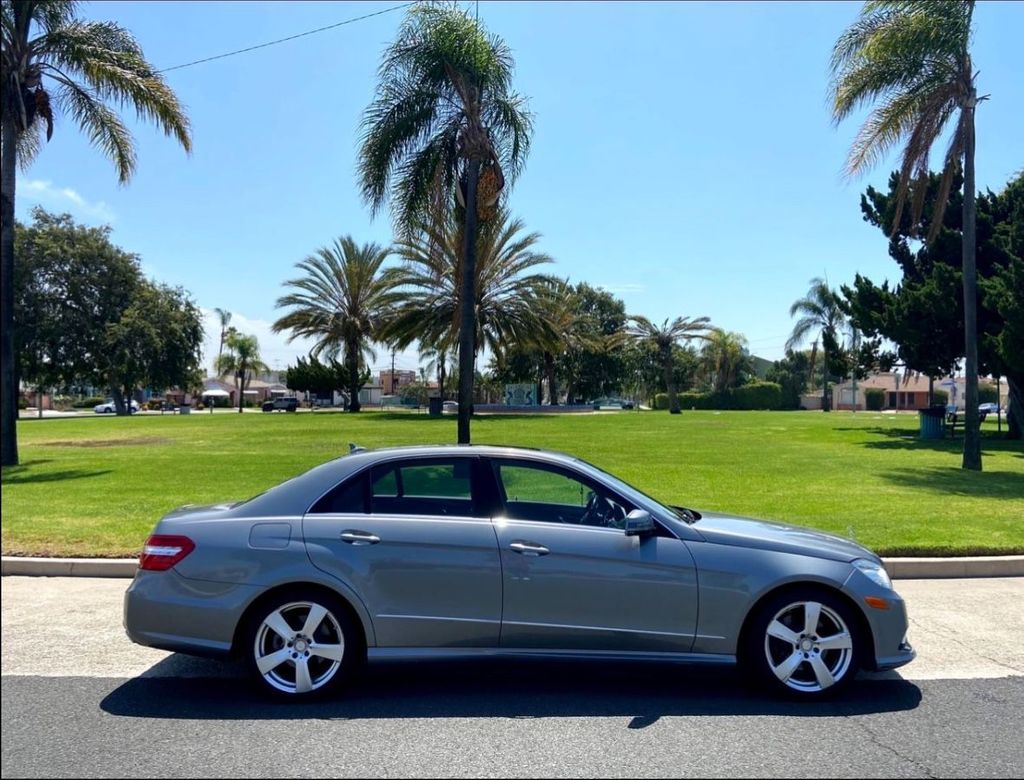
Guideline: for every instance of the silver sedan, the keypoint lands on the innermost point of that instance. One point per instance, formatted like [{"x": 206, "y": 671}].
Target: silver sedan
[{"x": 477, "y": 551}]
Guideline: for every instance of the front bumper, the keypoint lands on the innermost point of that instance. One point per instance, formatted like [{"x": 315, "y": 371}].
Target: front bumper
[{"x": 905, "y": 655}]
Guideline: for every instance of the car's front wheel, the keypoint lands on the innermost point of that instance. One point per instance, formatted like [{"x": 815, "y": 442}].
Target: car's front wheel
[
  {"x": 303, "y": 644},
  {"x": 805, "y": 643}
]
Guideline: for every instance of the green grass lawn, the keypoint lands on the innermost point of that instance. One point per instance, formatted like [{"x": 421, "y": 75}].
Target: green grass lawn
[{"x": 96, "y": 486}]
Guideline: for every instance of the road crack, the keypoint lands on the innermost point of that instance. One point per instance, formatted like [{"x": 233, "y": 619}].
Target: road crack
[{"x": 876, "y": 740}]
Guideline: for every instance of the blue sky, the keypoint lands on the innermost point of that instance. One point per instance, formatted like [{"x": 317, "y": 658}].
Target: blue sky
[{"x": 683, "y": 154}]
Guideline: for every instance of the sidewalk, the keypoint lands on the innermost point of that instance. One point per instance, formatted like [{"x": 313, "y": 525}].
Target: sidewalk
[{"x": 898, "y": 568}]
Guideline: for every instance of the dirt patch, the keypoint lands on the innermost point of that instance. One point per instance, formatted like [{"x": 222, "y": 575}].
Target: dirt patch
[{"x": 106, "y": 442}]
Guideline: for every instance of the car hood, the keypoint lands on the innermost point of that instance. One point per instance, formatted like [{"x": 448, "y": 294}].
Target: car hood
[{"x": 765, "y": 535}]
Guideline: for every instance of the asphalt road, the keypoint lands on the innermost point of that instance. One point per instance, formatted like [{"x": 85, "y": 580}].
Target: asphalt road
[{"x": 79, "y": 700}]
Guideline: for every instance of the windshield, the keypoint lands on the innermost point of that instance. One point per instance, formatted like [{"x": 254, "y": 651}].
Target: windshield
[{"x": 688, "y": 516}]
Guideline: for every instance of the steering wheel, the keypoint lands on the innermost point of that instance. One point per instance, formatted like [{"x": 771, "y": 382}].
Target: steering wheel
[{"x": 596, "y": 511}]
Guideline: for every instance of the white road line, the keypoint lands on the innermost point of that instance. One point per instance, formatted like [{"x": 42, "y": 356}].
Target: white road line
[{"x": 71, "y": 626}]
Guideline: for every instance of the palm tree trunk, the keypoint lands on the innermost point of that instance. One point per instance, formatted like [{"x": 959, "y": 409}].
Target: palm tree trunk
[
  {"x": 8, "y": 376},
  {"x": 972, "y": 425},
  {"x": 352, "y": 358},
  {"x": 549, "y": 369},
  {"x": 670, "y": 383},
  {"x": 441, "y": 377},
  {"x": 241, "y": 387},
  {"x": 825, "y": 405},
  {"x": 467, "y": 326}
]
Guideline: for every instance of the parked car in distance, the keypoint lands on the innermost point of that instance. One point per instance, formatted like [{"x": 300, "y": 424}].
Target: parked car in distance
[
  {"x": 287, "y": 404},
  {"x": 611, "y": 403},
  {"x": 109, "y": 407},
  {"x": 470, "y": 551},
  {"x": 988, "y": 408},
  {"x": 450, "y": 407}
]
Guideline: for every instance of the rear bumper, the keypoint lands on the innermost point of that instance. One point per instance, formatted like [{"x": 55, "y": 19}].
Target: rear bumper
[{"x": 164, "y": 610}]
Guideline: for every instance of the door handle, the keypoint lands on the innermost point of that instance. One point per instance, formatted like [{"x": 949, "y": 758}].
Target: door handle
[
  {"x": 359, "y": 538},
  {"x": 529, "y": 548}
]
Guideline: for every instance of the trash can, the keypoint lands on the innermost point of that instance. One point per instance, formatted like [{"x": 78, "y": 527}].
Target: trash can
[
  {"x": 184, "y": 409},
  {"x": 435, "y": 406},
  {"x": 932, "y": 422}
]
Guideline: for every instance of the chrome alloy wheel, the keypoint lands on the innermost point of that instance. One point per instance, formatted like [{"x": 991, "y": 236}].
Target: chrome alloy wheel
[
  {"x": 808, "y": 646},
  {"x": 299, "y": 647}
]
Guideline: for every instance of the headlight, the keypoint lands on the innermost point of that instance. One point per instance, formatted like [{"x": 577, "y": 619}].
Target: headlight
[{"x": 874, "y": 572}]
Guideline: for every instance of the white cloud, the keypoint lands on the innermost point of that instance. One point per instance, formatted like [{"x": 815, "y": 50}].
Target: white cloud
[
  {"x": 275, "y": 349},
  {"x": 32, "y": 192},
  {"x": 627, "y": 287}
]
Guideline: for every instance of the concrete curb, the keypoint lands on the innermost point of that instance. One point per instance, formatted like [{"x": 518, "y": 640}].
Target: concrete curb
[
  {"x": 898, "y": 568},
  {"x": 68, "y": 567}
]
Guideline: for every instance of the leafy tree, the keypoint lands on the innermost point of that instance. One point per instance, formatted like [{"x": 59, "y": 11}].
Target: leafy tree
[
  {"x": 340, "y": 303},
  {"x": 157, "y": 343},
  {"x": 922, "y": 313},
  {"x": 428, "y": 290},
  {"x": 792, "y": 374},
  {"x": 241, "y": 360},
  {"x": 663, "y": 338},
  {"x": 445, "y": 123},
  {"x": 912, "y": 59},
  {"x": 593, "y": 361},
  {"x": 725, "y": 361},
  {"x": 85, "y": 314},
  {"x": 70, "y": 284},
  {"x": 820, "y": 313},
  {"x": 50, "y": 63}
]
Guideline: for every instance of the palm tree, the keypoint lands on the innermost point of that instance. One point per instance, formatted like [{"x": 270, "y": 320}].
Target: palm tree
[
  {"x": 242, "y": 360},
  {"x": 429, "y": 290},
  {"x": 444, "y": 120},
  {"x": 436, "y": 358},
  {"x": 339, "y": 302},
  {"x": 225, "y": 321},
  {"x": 913, "y": 60},
  {"x": 663, "y": 338},
  {"x": 51, "y": 62},
  {"x": 819, "y": 314},
  {"x": 725, "y": 358}
]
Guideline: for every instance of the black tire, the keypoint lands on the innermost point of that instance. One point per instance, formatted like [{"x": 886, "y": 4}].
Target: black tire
[
  {"x": 841, "y": 658},
  {"x": 326, "y": 676}
]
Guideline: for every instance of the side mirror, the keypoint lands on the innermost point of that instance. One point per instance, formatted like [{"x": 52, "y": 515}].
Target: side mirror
[{"x": 640, "y": 523}]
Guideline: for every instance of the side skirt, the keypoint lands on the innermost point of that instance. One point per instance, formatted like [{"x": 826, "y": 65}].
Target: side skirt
[{"x": 452, "y": 653}]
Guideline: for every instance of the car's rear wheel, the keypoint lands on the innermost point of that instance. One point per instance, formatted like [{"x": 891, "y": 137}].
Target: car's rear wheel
[
  {"x": 805, "y": 643},
  {"x": 303, "y": 644}
]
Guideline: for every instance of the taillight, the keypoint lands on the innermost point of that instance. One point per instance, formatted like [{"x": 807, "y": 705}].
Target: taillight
[{"x": 163, "y": 551}]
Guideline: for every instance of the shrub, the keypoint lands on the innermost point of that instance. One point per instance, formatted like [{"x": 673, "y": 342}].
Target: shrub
[
  {"x": 987, "y": 394},
  {"x": 22, "y": 403},
  {"x": 757, "y": 395},
  {"x": 874, "y": 399},
  {"x": 695, "y": 400},
  {"x": 88, "y": 403},
  {"x": 661, "y": 401},
  {"x": 939, "y": 397}
]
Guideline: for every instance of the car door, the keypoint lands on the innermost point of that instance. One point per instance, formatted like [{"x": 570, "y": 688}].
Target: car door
[
  {"x": 414, "y": 540},
  {"x": 573, "y": 580}
]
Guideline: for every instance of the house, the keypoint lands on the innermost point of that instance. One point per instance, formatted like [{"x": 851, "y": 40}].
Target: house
[
  {"x": 903, "y": 391},
  {"x": 392, "y": 381}
]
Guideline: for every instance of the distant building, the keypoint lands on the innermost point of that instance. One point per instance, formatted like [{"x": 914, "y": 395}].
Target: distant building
[
  {"x": 392, "y": 382},
  {"x": 904, "y": 391}
]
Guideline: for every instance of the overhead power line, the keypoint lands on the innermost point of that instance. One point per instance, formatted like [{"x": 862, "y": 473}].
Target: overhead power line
[{"x": 289, "y": 38}]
